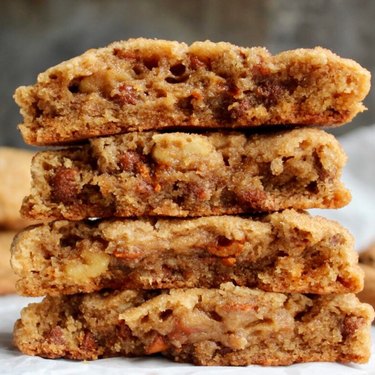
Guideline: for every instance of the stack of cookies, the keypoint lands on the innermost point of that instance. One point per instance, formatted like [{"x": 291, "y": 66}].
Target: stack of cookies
[{"x": 147, "y": 253}]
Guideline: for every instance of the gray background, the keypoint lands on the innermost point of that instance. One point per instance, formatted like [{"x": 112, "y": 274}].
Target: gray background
[{"x": 35, "y": 35}]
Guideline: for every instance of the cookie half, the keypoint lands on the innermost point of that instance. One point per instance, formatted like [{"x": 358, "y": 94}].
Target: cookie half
[
  {"x": 181, "y": 174},
  {"x": 144, "y": 84},
  {"x": 228, "y": 326},
  {"x": 281, "y": 252}
]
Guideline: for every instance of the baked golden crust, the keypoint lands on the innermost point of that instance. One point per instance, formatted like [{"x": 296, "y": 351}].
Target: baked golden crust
[
  {"x": 144, "y": 84},
  {"x": 286, "y": 252},
  {"x": 180, "y": 174},
  {"x": 226, "y": 326}
]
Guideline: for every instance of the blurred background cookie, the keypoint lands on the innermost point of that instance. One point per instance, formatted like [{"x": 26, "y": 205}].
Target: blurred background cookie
[
  {"x": 7, "y": 277},
  {"x": 367, "y": 262},
  {"x": 14, "y": 185},
  {"x": 367, "y": 256}
]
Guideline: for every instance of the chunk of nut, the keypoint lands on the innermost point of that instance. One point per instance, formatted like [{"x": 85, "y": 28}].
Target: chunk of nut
[
  {"x": 90, "y": 265},
  {"x": 185, "y": 152},
  {"x": 277, "y": 166},
  {"x": 104, "y": 82},
  {"x": 98, "y": 82}
]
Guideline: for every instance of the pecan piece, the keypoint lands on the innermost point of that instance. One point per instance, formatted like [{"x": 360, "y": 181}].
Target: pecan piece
[
  {"x": 127, "y": 94},
  {"x": 55, "y": 336},
  {"x": 88, "y": 342},
  {"x": 269, "y": 93},
  {"x": 64, "y": 185},
  {"x": 256, "y": 199},
  {"x": 123, "y": 330},
  {"x": 130, "y": 161},
  {"x": 350, "y": 325},
  {"x": 240, "y": 109}
]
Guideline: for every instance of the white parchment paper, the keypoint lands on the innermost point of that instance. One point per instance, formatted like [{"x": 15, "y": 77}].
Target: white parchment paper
[{"x": 358, "y": 217}]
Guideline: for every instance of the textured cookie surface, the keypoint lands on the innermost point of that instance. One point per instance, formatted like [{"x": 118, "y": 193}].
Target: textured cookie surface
[
  {"x": 226, "y": 326},
  {"x": 7, "y": 276},
  {"x": 180, "y": 174},
  {"x": 282, "y": 252},
  {"x": 14, "y": 185},
  {"x": 143, "y": 84}
]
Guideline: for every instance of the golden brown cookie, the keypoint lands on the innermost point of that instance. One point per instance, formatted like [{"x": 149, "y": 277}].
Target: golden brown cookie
[
  {"x": 15, "y": 184},
  {"x": 287, "y": 252},
  {"x": 368, "y": 293},
  {"x": 228, "y": 326},
  {"x": 367, "y": 262},
  {"x": 144, "y": 84},
  {"x": 181, "y": 174},
  {"x": 367, "y": 256}
]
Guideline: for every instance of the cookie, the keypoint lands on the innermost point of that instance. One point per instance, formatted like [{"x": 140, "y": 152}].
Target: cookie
[
  {"x": 367, "y": 256},
  {"x": 367, "y": 263},
  {"x": 287, "y": 252},
  {"x": 7, "y": 276},
  {"x": 14, "y": 185},
  {"x": 144, "y": 84},
  {"x": 368, "y": 293},
  {"x": 180, "y": 175},
  {"x": 228, "y": 326}
]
